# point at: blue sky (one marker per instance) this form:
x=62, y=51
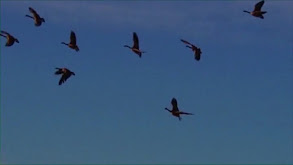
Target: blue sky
x=112, y=111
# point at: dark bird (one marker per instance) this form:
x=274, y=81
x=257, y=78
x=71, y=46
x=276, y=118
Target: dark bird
x=72, y=43
x=135, y=47
x=175, y=110
x=36, y=17
x=66, y=73
x=197, y=51
x=10, y=39
x=257, y=10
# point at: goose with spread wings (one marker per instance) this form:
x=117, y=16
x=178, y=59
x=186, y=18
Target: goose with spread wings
x=10, y=39
x=135, y=47
x=72, y=44
x=257, y=10
x=38, y=20
x=66, y=73
x=175, y=110
x=197, y=51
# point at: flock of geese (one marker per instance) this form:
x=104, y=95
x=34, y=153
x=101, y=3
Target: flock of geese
x=66, y=73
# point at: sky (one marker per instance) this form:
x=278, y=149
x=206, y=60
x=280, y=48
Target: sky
x=112, y=110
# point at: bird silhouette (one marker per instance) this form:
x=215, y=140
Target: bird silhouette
x=10, y=39
x=72, y=44
x=175, y=110
x=135, y=47
x=197, y=51
x=66, y=73
x=257, y=10
x=38, y=20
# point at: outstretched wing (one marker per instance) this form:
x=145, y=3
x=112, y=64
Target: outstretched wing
x=72, y=38
x=174, y=103
x=135, y=41
x=3, y=35
x=36, y=15
x=59, y=71
x=4, y=32
x=64, y=77
x=186, y=113
x=186, y=42
x=258, y=6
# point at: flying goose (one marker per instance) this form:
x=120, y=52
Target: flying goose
x=257, y=10
x=197, y=51
x=72, y=43
x=66, y=73
x=175, y=110
x=10, y=39
x=135, y=47
x=36, y=17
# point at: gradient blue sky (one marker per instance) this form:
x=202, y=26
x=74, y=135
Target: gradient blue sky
x=112, y=111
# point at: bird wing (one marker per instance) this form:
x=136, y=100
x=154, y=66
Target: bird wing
x=135, y=41
x=186, y=113
x=258, y=6
x=72, y=38
x=174, y=103
x=197, y=54
x=186, y=42
x=34, y=12
x=4, y=32
x=64, y=77
x=59, y=71
x=3, y=35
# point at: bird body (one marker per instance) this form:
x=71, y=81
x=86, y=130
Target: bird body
x=37, y=19
x=175, y=110
x=257, y=10
x=196, y=50
x=72, y=44
x=135, y=47
x=66, y=73
x=10, y=39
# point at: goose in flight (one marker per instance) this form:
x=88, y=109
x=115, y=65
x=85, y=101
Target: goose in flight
x=135, y=47
x=72, y=43
x=175, y=110
x=257, y=10
x=197, y=51
x=10, y=39
x=66, y=73
x=38, y=20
